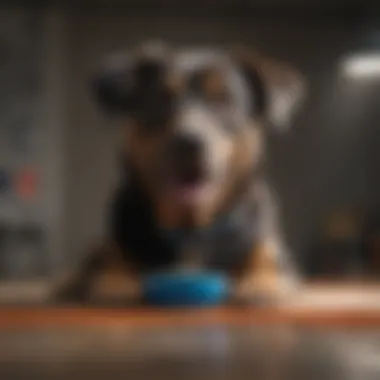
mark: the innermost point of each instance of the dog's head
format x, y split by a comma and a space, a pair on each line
194, 121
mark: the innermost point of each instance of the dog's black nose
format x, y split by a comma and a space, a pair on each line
187, 147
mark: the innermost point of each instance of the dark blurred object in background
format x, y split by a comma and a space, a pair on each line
372, 245
339, 252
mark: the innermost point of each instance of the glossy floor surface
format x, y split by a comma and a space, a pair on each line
116, 351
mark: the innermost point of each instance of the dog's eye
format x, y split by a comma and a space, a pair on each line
155, 111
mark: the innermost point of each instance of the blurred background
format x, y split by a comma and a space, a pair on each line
58, 156
59, 164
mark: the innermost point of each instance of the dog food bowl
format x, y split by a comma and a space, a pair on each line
185, 289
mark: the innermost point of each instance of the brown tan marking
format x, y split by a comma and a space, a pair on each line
262, 278
214, 85
104, 275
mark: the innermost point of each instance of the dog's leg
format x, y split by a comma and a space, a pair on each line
103, 276
269, 276
118, 282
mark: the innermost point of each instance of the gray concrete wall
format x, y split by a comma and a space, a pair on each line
30, 135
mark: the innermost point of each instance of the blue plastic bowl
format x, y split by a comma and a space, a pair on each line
185, 289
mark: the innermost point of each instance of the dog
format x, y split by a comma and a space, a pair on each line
193, 193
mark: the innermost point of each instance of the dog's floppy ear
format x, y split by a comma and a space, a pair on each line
111, 85
276, 89
119, 84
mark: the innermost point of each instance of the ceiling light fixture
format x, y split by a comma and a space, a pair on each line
362, 66
363, 60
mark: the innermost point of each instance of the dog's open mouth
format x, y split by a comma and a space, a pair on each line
188, 184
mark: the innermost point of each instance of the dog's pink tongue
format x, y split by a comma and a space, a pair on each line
188, 193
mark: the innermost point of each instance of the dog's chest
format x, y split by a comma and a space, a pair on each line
225, 245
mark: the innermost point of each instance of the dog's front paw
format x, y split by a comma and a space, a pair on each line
70, 289
263, 290
115, 288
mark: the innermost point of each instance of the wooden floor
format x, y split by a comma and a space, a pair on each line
20, 317
188, 353
325, 305
327, 333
